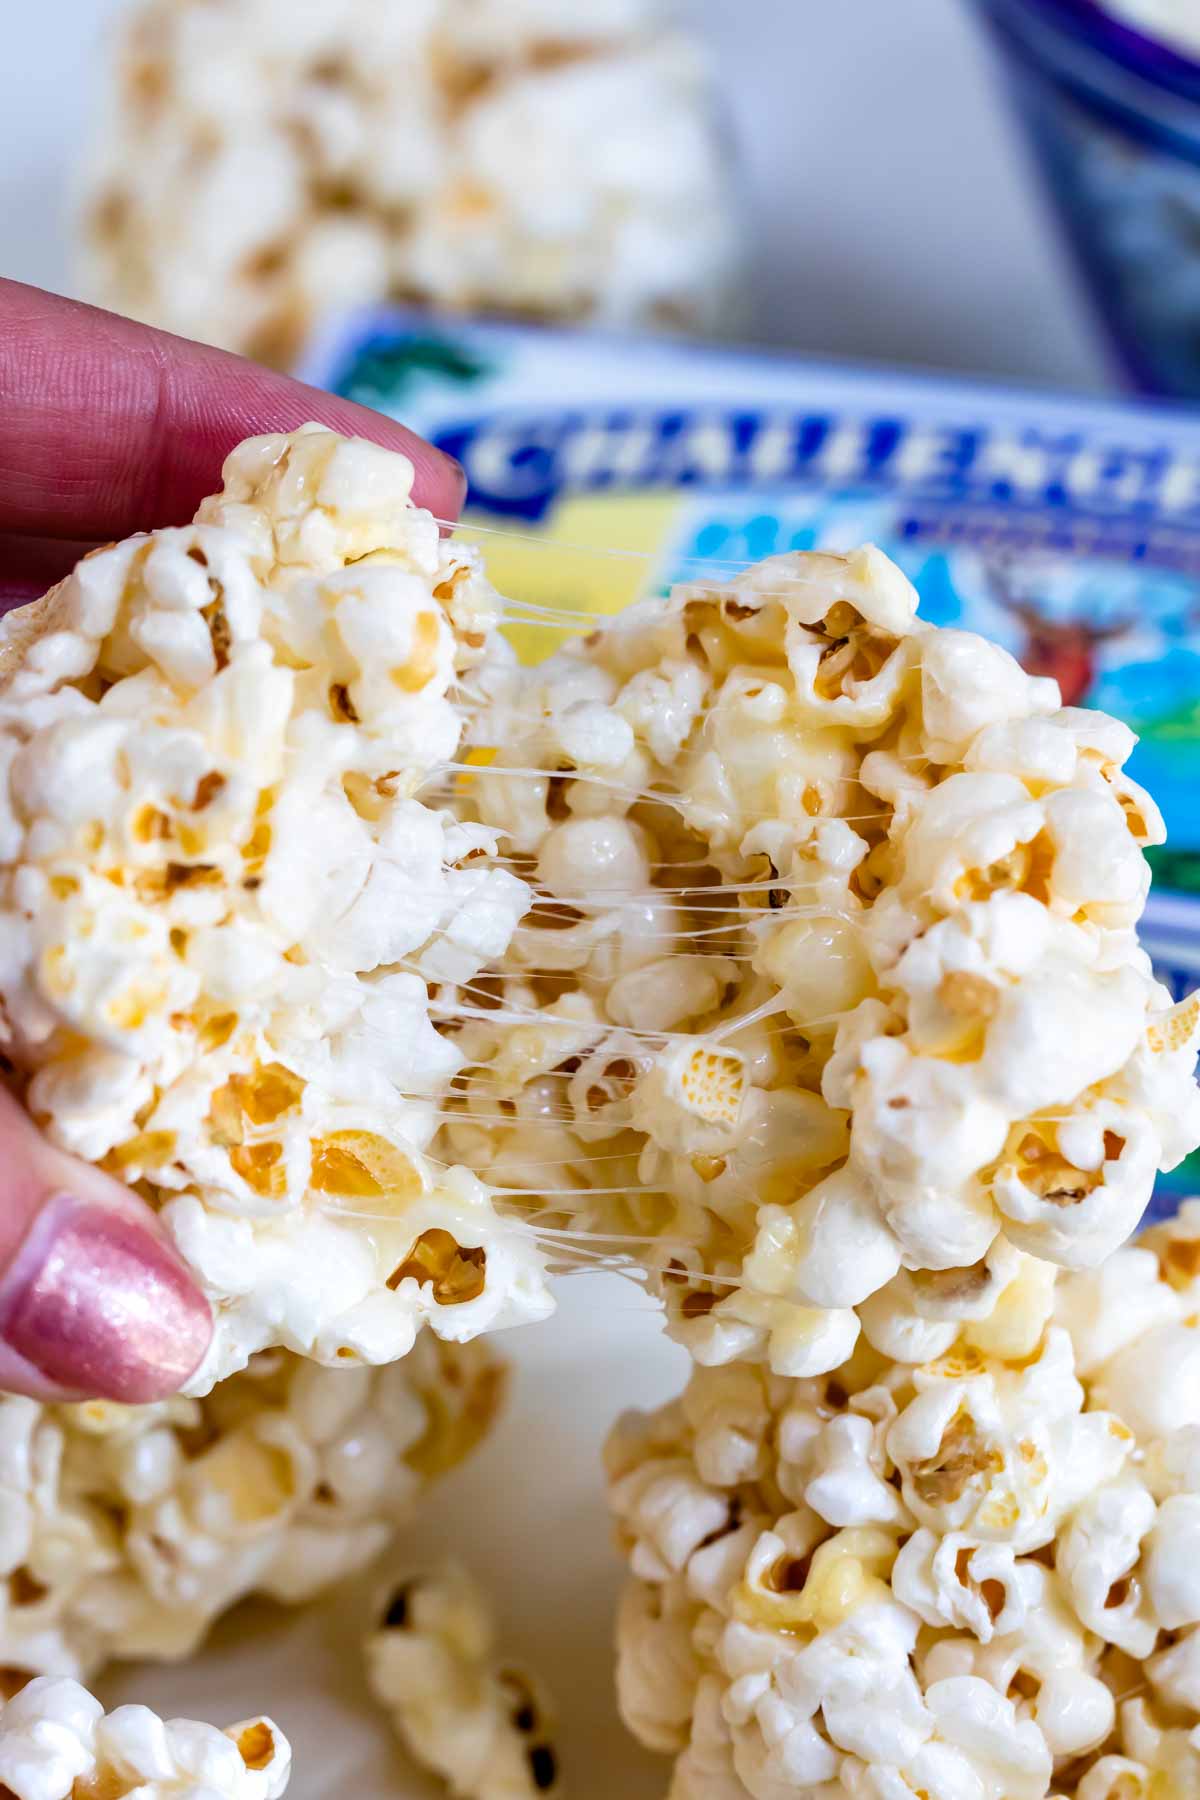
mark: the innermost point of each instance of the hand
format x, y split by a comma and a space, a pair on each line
107, 428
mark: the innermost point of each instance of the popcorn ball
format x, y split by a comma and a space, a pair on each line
828, 1003
224, 908
58, 1743
464, 1715
127, 1531
548, 159
971, 1577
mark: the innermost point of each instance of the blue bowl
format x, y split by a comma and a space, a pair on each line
1114, 119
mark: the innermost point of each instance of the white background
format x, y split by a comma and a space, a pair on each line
893, 218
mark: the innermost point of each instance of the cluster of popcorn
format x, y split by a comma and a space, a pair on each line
829, 995
972, 1576
223, 906
126, 1531
477, 1723
548, 159
58, 1743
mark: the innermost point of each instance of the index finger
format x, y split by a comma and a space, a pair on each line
108, 427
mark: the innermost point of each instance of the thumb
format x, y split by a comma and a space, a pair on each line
94, 1301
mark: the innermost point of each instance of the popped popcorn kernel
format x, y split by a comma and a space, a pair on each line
970, 1576
851, 906
127, 1531
217, 964
58, 1743
562, 162
485, 1727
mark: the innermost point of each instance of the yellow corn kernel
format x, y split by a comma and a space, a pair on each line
267, 1093
261, 1167
212, 1033
961, 1457
225, 1123
147, 1149
360, 1165
712, 1083
129, 1011
457, 1273
421, 666
454, 1426
150, 825
256, 1744
1179, 1260
848, 1571
1177, 1028
256, 1479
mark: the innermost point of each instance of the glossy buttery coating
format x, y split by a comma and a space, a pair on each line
829, 1002
222, 899
969, 1579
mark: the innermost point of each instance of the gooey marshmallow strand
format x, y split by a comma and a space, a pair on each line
829, 997
829, 964
222, 902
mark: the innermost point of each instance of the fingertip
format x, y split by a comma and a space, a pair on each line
94, 1299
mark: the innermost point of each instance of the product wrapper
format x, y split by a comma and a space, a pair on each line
603, 469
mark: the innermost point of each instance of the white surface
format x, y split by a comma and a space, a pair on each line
894, 216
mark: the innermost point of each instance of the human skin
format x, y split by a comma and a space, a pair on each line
108, 428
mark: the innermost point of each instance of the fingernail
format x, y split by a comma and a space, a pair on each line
99, 1304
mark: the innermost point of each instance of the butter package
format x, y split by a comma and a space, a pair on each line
602, 469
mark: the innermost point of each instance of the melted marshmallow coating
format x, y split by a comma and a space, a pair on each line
973, 1577
829, 1002
223, 902
127, 1531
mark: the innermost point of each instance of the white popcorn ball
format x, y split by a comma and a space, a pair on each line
130, 1530
465, 1714
845, 928
972, 1576
58, 1743
222, 903
558, 161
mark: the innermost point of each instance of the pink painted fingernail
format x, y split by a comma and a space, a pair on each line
98, 1303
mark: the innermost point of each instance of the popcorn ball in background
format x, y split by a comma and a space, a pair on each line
222, 905
126, 1531
829, 1002
58, 1743
467, 1717
552, 159
977, 1575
